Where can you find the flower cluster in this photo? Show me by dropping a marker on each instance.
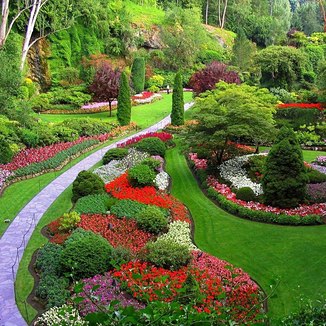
(64, 315)
(146, 97)
(232, 171)
(302, 210)
(119, 232)
(161, 180)
(321, 160)
(107, 290)
(200, 164)
(317, 192)
(179, 232)
(318, 106)
(179, 211)
(164, 136)
(161, 159)
(4, 175)
(242, 148)
(120, 188)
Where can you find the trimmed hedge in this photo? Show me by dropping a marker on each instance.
(152, 145)
(152, 219)
(94, 204)
(141, 175)
(114, 154)
(127, 208)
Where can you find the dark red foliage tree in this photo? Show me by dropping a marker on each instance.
(105, 86)
(206, 79)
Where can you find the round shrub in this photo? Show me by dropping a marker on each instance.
(6, 153)
(167, 254)
(86, 255)
(141, 175)
(152, 219)
(69, 221)
(246, 194)
(114, 154)
(86, 183)
(120, 256)
(152, 163)
(152, 145)
(29, 137)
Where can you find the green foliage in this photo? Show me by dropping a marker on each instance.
(86, 183)
(284, 182)
(321, 80)
(155, 81)
(29, 137)
(152, 219)
(314, 176)
(207, 56)
(69, 221)
(6, 153)
(69, 76)
(114, 154)
(283, 95)
(152, 145)
(246, 194)
(86, 256)
(124, 102)
(177, 114)
(141, 175)
(120, 256)
(127, 208)
(151, 162)
(167, 254)
(138, 75)
(94, 204)
(48, 259)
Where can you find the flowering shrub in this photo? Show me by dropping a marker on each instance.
(179, 232)
(119, 232)
(164, 136)
(200, 164)
(107, 290)
(64, 315)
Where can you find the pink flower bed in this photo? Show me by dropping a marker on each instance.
(302, 210)
(164, 136)
(200, 164)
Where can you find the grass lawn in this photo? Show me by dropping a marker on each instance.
(292, 257)
(22, 192)
(143, 115)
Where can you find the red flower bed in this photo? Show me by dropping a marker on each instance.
(57, 236)
(179, 211)
(318, 106)
(142, 96)
(302, 210)
(120, 188)
(164, 136)
(119, 232)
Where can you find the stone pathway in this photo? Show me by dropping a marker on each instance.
(15, 239)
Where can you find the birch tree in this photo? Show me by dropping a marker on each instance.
(222, 7)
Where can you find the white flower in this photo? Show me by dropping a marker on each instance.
(179, 232)
(232, 171)
(161, 180)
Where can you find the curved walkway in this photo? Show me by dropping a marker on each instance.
(15, 239)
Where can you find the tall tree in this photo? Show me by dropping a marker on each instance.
(105, 86)
(138, 74)
(177, 114)
(222, 8)
(124, 102)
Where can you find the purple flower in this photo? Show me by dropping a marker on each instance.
(317, 192)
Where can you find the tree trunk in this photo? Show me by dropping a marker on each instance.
(36, 7)
(206, 12)
(4, 21)
(224, 13)
(110, 107)
(219, 13)
(323, 12)
(220, 158)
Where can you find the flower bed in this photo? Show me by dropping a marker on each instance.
(146, 97)
(164, 136)
(318, 106)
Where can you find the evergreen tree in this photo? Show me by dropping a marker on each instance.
(124, 103)
(138, 75)
(285, 179)
(177, 114)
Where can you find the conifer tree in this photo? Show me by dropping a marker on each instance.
(285, 179)
(138, 75)
(177, 114)
(124, 102)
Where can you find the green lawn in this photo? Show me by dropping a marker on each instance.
(293, 256)
(143, 115)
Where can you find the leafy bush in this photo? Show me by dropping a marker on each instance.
(69, 221)
(6, 153)
(246, 194)
(114, 154)
(138, 74)
(317, 192)
(64, 134)
(124, 102)
(156, 81)
(152, 145)
(315, 176)
(152, 163)
(127, 208)
(29, 137)
(86, 255)
(120, 256)
(94, 204)
(177, 113)
(86, 183)
(167, 254)
(48, 259)
(141, 175)
(152, 219)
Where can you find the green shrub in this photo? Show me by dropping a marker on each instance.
(29, 137)
(40, 103)
(167, 254)
(124, 101)
(48, 259)
(94, 204)
(86, 256)
(86, 183)
(177, 114)
(315, 176)
(156, 82)
(152, 219)
(141, 175)
(153, 89)
(246, 194)
(120, 256)
(6, 153)
(69, 221)
(114, 154)
(151, 162)
(152, 145)
(127, 208)
(65, 134)
(138, 75)
(45, 135)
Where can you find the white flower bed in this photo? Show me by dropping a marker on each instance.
(232, 171)
(161, 180)
(64, 315)
(179, 232)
